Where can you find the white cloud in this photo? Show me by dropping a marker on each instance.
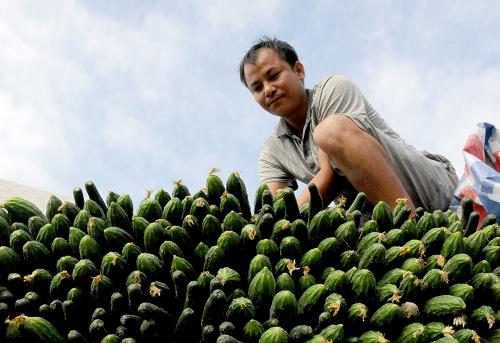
(434, 106)
(137, 97)
(238, 15)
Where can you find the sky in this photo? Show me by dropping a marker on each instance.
(135, 95)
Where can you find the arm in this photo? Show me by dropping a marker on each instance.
(274, 187)
(361, 159)
(357, 154)
(324, 180)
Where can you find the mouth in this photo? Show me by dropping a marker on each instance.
(275, 99)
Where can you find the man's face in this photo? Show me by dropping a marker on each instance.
(276, 86)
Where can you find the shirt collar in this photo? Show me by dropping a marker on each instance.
(284, 128)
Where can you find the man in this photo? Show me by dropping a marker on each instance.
(331, 136)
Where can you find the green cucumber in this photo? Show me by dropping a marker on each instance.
(234, 221)
(274, 334)
(372, 258)
(162, 196)
(358, 314)
(265, 224)
(184, 328)
(333, 333)
(252, 331)
(311, 302)
(21, 210)
(180, 190)
(269, 248)
(118, 217)
(215, 187)
(369, 239)
(453, 244)
(199, 208)
(210, 229)
(402, 216)
(319, 227)
(435, 281)
(116, 238)
(382, 214)
(284, 307)
(61, 224)
(81, 220)
(372, 336)
(78, 197)
(444, 306)
(285, 282)
(258, 196)
(291, 208)
(114, 266)
(94, 194)
(249, 237)
(83, 272)
(412, 333)
(337, 282)
(363, 284)
(60, 284)
(347, 233)
(257, 263)
(214, 308)
(32, 329)
(150, 209)
(172, 211)
(281, 229)
(229, 202)
(458, 267)
(94, 209)
(300, 333)
(386, 315)
(315, 200)
(236, 186)
(150, 265)
(89, 249)
(261, 291)
(467, 207)
(95, 229)
(53, 203)
(240, 311)
(35, 254)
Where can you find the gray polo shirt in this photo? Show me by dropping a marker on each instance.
(429, 179)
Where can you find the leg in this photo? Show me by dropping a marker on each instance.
(361, 159)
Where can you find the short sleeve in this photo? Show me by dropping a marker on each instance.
(338, 95)
(270, 169)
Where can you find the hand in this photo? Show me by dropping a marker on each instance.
(323, 180)
(324, 162)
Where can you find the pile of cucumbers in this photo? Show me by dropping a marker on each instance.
(208, 266)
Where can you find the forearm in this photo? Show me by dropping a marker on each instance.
(361, 159)
(324, 182)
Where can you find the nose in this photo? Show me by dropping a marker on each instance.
(269, 89)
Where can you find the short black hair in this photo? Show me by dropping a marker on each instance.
(285, 51)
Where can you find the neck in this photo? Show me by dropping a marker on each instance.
(298, 120)
(297, 126)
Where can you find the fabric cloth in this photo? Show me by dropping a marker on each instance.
(429, 179)
(481, 178)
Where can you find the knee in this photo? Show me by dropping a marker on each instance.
(332, 133)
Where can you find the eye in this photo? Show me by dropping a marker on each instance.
(257, 89)
(274, 76)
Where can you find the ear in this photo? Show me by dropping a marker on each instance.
(299, 69)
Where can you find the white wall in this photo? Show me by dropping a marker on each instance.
(37, 196)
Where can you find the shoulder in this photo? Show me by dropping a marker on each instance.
(336, 94)
(270, 146)
(335, 83)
